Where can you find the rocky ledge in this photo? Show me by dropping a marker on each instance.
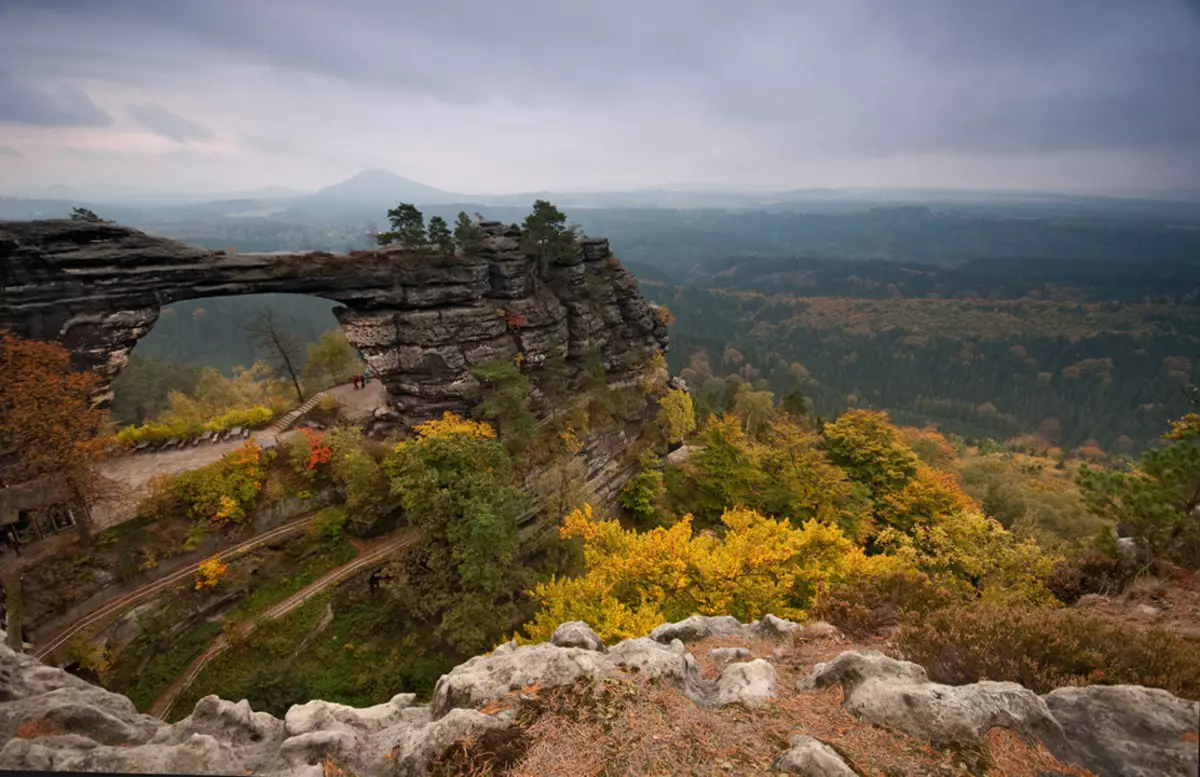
(50, 720)
(420, 321)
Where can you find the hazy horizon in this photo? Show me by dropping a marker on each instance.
(481, 99)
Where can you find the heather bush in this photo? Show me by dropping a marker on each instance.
(1044, 649)
(867, 604)
(1092, 572)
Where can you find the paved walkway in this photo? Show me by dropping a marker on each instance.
(371, 557)
(130, 474)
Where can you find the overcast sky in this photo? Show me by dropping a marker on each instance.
(496, 97)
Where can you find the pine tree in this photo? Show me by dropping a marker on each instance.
(439, 235)
(408, 227)
(467, 236)
(546, 234)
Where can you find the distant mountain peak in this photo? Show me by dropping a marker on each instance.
(382, 187)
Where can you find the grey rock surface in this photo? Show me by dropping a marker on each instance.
(1128, 730)
(751, 683)
(64, 704)
(810, 757)
(899, 695)
(725, 655)
(698, 627)
(577, 634)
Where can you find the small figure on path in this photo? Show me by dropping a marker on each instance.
(356, 381)
(366, 375)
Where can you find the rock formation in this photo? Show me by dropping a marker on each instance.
(50, 720)
(421, 322)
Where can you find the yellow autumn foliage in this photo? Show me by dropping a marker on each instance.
(210, 572)
(635, 581)
(454, 425)
(676, 415)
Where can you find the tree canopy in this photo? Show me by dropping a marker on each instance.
(48, 424)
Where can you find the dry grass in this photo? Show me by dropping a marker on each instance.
(636, 726)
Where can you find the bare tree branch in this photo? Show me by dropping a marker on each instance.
(284, 349)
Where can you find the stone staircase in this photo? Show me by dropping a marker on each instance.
(283, 423)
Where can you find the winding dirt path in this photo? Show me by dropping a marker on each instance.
(180, 576)
(162, 705)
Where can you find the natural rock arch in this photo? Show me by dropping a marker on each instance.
(421, 322)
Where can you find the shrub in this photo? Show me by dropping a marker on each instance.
(1092, 572)
(210, 572)
(867, 604)
(219, 493)
(642, 496)
(328, 523)
(1044, 649)
(159, 431)
(249, 417)
(92, 656)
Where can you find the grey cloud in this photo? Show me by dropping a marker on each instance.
(858, 78)
(846, 75)
(66, 106)
(160, 121)
(10, 151)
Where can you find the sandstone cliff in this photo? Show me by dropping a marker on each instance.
(730, 704)
(421, 322)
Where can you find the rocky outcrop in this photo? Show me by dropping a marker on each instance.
(53, 721)
(899, 695)
(1128, 730)
(699, 627)
(810, 757)
(421, 322)
(1114, 731)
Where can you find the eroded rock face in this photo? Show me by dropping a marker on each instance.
(810, 757)
(698, 627)
(898, 694)
(1128, 730)
(420, 322)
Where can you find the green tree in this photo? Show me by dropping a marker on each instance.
(505, 391)
(643, 495)
(796, 405)
(408, 227)
(439, 235)
(545, 234)
(1159, 502)
(142, 391)
(459, 490)
(863, 443)
(85, 214)
(467, 235)
(756, 408)
(360, 480)
(331, 360)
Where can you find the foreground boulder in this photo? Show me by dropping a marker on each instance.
(810, 757)
(1128, 730)
(899, 695)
